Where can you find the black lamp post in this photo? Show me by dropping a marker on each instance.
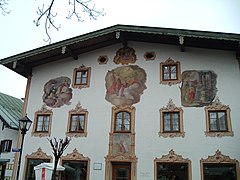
(24, 125)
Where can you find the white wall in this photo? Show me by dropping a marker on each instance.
(147, 119)
(11, 134)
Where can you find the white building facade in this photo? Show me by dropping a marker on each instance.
(145, 105)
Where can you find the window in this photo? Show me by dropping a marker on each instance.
(123, 121)
(77, 122)
(5, 146)
(170, 72)
(219, 167)
(42, 122)
(218, 122)
(32, 160)
(171, 121)
(172, 166)
(81, 77)
(76, 166)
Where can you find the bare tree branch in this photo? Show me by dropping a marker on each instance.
(93, 14)
(49, 19)
(48, 16)
(3, 4)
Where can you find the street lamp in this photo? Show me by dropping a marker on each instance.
(24, 125)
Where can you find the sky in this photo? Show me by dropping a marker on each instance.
(19, 34)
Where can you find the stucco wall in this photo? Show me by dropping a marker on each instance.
(195, 145)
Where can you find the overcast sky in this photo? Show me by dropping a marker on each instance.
(19, 34)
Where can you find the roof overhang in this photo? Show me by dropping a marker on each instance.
(24, 62)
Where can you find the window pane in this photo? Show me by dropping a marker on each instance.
(219, 171)
(166, 123)
(123, 121)
(30, 167)
(77, 122)
(175, 122)
(84, 77)
(42, 123)
(169, 171)
(173, 72)
(166, 75)
(222, 121)
(75, 170)
(78, 77)
(213, 121)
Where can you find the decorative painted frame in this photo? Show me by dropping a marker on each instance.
(81, 68)
(148, 56)
(169, 62)
(102, 59)
(76, 156)
(78, 110)
(171, 157)
(219, 158)
(170, 107)
(39, 154)
(45, 112)
(114, 156)
(216, 105)
(125, 55)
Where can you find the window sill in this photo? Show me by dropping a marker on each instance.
(76, 134)
(171, 134)
(41, 134)
(218, 134)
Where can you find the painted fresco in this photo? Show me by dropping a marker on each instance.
(125, 85)
(198, 88)
(125, 56)
(57, 92)
(121, 144)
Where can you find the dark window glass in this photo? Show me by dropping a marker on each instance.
(6, 146)
(169, 171)
(219, 171)
(74, 170)
(31, 163)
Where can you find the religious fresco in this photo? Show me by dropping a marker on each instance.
(121, 144)
(125, 85)
(198, 88)
(57, 92)
(125, 55)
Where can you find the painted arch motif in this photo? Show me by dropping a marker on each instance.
(125, 85)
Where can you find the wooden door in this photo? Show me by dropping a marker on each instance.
(121, 171)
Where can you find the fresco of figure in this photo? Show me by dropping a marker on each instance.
(57, 92)
(198, 88)
(125, 85)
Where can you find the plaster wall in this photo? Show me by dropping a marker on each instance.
(195, 145)
(11, 134)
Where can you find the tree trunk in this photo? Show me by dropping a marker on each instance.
(55, 169)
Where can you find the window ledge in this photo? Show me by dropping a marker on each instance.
(41, 134)
(218, 134)
(76, 134)
(171, 134)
